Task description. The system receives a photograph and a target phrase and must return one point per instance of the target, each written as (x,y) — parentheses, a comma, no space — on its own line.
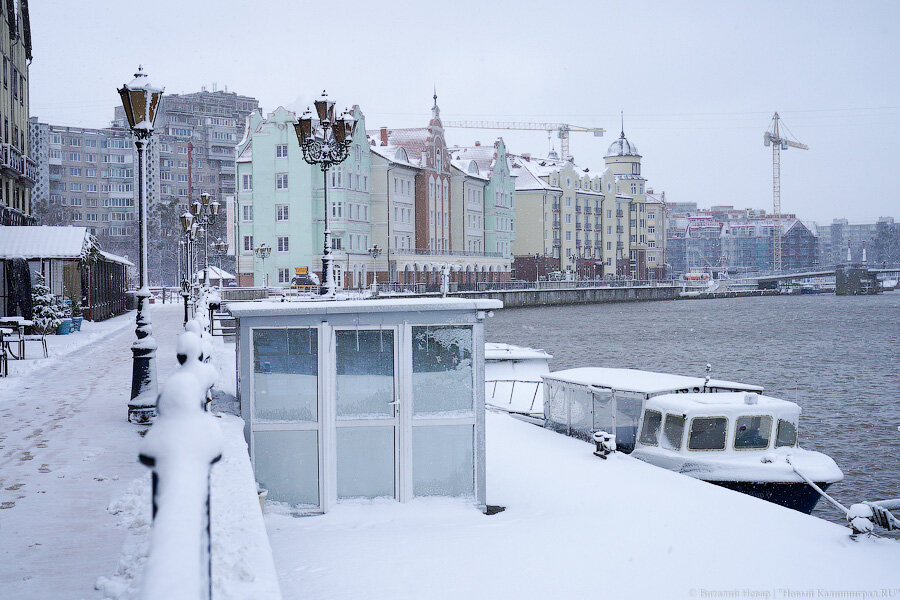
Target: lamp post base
(142,406)
(325,287)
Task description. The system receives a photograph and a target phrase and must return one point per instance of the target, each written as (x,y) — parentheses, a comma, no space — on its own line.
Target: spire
(435,97)
(622,114)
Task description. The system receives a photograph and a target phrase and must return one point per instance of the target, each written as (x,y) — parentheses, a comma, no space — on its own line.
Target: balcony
(555,224)
(556,206)
(620,245)
(577,224)
(620,213)
(13,162)
(587,226)
(577,209)
(587,210)
(620,229)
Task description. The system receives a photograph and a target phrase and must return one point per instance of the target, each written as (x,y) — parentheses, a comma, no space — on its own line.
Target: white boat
(743,441)
(513,378)
(585,400)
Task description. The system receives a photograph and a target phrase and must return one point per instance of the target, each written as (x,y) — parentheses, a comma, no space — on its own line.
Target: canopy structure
(214,273)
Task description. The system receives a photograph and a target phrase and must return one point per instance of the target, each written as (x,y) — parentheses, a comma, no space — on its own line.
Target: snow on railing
(181,447)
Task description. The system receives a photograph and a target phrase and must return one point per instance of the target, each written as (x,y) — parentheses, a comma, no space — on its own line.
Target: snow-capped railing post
(181,448)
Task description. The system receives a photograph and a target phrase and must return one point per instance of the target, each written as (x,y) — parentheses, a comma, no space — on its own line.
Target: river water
(838,357)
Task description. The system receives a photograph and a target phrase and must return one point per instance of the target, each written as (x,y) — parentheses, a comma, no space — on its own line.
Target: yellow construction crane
(773,137)
(562,129)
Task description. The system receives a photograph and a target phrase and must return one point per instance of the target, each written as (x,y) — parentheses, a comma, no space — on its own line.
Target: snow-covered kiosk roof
(645,382)
(350,399)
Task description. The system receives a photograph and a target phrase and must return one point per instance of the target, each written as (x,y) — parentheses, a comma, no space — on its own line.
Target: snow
(257,308)
(42,242)
(214,273)
(644,382)
(74,500)
(574,525)
(498,351)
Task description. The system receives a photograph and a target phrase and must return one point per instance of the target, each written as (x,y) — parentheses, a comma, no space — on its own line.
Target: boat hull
(797,496)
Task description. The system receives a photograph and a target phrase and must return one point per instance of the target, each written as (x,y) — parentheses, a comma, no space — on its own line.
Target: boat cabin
(379,398)
(691,423)
(585,400)
(513,378)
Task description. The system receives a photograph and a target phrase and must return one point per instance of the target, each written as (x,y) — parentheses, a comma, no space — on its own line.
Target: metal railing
(429,252)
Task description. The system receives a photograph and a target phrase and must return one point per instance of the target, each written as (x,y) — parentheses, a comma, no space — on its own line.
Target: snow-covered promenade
(66,451)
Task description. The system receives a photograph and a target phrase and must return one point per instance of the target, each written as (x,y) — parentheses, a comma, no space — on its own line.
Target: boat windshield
(673,432)
(708,433)
(650,428)
(752,433)
(786,434)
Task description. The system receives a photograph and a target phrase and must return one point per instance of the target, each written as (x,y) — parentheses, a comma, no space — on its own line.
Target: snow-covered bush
(48,311)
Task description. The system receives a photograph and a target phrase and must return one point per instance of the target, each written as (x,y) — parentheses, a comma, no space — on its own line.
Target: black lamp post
(325,141)
(140,99)
(375,252)
(205,211)
(220,247)
(188,231)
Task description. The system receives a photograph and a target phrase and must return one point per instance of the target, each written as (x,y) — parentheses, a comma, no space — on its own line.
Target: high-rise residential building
(836,238)
(656,234)
(18,170)
(86,179)
(85,176)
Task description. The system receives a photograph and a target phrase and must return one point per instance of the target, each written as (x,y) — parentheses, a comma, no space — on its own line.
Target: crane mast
(778,142)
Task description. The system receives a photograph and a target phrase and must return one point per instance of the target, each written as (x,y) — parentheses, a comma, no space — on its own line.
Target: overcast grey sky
(698,81)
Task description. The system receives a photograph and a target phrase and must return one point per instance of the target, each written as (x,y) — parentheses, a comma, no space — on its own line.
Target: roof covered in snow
(644,382)
(49,242)
(622,147)
(498,351)
(261,308)
(215,273)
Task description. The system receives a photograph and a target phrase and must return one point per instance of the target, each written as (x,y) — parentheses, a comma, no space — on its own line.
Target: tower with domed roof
(624,161)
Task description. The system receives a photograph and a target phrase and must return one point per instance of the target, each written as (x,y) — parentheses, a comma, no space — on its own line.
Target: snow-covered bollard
(180,448)
(605,442)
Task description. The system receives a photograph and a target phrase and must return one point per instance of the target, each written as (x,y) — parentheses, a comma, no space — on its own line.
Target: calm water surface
(837,357)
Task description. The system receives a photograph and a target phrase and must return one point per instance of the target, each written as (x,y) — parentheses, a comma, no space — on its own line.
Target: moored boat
(513,378)
(743,441)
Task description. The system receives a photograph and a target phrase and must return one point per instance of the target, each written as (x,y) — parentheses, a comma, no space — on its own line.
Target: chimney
(526,156)
(477,143)
(384,136)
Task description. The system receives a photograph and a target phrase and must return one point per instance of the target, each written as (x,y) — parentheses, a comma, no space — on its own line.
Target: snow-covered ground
(75,516)
(66,452)
(575,526)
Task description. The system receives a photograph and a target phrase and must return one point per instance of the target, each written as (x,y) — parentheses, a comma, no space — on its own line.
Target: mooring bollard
(606,444)
(181,448)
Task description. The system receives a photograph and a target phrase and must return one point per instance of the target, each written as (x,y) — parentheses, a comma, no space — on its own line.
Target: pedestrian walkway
(67,450)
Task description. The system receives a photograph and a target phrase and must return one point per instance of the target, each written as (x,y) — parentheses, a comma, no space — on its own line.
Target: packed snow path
(67,450)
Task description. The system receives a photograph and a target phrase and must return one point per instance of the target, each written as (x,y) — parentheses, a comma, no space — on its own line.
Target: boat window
(752,433)
(603,415)
(650,429)
(708,433)
(786,435)
(673,432)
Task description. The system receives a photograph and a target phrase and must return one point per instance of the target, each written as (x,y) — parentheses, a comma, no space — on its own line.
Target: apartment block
(18,169)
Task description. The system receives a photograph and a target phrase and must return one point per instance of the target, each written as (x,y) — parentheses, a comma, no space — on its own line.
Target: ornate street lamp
(140,99)
(325,141)
(374,252)
(263,253)
(220,247)
(205,211)
(187,222)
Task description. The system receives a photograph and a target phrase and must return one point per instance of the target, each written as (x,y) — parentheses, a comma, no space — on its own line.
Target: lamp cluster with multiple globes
(325,141)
